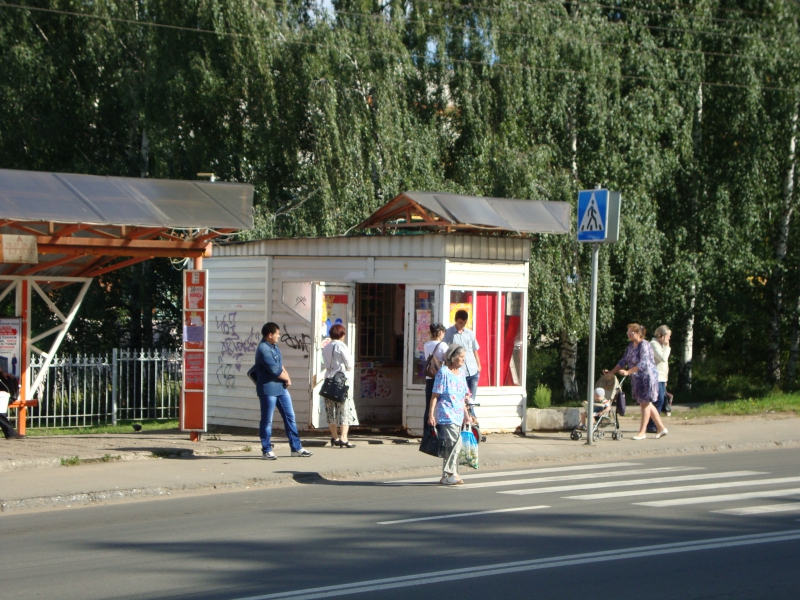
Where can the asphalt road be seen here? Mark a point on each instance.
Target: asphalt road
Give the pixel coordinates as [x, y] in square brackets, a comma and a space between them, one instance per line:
[727, 526]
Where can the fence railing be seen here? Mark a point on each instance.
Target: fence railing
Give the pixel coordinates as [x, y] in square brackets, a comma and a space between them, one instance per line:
[84, 390]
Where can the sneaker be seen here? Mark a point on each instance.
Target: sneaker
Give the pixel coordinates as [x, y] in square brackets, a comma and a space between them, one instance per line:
[302, 453]
[269, 456]
[581, 427]
[669, 414]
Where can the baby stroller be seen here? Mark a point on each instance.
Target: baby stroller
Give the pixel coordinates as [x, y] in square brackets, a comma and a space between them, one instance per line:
[605, 420]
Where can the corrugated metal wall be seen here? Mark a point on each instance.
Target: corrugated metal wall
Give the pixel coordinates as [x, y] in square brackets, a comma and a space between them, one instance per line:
[237, 294]
[471, 247]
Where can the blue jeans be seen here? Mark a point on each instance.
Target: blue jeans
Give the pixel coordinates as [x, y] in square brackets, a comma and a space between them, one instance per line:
[659, 404]
[472, 384]
[284, 405]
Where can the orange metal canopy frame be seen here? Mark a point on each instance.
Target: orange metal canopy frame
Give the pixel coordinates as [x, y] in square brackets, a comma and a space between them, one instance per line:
[85, 226]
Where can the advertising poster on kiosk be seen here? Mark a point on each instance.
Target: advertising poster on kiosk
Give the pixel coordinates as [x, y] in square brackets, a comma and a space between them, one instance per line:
[193, 397]
[10, 345]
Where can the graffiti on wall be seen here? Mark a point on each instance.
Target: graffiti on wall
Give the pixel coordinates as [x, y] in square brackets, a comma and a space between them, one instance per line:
[232, 348]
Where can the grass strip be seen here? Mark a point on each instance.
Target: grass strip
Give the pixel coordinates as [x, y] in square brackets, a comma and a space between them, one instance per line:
[120, 427]
[748, 406]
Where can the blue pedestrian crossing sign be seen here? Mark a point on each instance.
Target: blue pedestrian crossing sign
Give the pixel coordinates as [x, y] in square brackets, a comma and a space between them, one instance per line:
[598, 216]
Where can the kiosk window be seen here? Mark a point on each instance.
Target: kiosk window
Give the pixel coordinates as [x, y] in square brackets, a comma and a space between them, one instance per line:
[424, 310]
[486, 333]
[511, 339]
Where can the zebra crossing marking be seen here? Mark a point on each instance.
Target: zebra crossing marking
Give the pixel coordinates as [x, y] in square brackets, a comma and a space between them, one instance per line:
[589, 467]
[684, 488]
[573, 476]
[760, 510]
[607, 484]
[723, 497]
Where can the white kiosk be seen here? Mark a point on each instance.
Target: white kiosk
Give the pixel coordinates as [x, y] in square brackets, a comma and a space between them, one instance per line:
[387, 290]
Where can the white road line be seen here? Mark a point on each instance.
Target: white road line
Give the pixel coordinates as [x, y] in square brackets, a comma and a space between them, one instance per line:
[685, 488]
[607, 484]
[760, 510]
[457, 515]
[375, 585]
[573, 476]
[724, 497]
[527, 472]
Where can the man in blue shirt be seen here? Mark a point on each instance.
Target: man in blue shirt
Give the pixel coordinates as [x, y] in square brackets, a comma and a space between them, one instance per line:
[272, 386]
[459, 334]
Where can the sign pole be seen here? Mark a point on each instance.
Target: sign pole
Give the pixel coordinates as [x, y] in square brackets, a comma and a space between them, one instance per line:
[592, 329]
[598, 223]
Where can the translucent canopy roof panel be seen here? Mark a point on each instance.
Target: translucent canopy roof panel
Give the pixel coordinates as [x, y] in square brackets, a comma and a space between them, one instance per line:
[124, 201]
[459, 212]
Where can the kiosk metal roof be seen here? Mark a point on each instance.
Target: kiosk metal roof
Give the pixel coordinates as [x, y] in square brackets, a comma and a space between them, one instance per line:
[453, 212]
[83, 224]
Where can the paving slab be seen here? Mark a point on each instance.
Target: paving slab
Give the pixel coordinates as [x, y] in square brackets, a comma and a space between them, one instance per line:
[125, 467]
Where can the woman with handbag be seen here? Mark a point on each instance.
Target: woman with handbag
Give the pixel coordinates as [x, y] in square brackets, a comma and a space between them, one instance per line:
[434, 351]
[341, 415]
[448, 411]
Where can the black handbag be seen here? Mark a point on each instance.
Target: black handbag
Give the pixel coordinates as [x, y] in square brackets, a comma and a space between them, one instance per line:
[251, 373]
[431, 443]
[335, 388]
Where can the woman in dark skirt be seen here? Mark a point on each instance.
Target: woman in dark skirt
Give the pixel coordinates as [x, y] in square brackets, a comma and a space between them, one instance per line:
[639, 363]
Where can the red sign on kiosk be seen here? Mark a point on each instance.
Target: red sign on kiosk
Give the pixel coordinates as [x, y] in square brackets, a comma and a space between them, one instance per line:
[193, 396]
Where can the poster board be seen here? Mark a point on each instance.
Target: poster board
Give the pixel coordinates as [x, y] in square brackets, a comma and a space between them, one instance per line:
[10, 345]
[195, 351]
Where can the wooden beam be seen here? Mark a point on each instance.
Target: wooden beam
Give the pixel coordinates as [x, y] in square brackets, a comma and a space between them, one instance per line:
[114, 267]
[47, 265]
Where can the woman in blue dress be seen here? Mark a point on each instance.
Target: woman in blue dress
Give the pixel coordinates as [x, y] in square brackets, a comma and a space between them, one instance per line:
[639, 362]
[448, 410]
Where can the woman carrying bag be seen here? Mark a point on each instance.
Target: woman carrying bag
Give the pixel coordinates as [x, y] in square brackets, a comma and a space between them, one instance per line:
[341, 415]
[448, 411]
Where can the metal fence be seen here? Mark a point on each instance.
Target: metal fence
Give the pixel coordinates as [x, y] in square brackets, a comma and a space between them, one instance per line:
[85, 390]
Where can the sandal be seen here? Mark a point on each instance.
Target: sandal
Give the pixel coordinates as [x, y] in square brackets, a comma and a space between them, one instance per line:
[452, 480]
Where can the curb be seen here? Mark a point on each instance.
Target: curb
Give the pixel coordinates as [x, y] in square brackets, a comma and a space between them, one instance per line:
[19, 464]
[106, 497]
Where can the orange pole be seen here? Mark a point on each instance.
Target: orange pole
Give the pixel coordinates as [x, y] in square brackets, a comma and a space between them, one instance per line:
[22, 411]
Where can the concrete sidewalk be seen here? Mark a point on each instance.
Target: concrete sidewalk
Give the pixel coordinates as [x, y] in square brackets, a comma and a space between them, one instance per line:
[41, 473]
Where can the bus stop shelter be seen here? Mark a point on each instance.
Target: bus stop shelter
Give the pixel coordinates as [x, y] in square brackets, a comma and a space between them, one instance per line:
[59, 229]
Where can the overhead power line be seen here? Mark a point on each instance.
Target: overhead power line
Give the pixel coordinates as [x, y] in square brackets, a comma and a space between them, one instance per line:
[496, 64]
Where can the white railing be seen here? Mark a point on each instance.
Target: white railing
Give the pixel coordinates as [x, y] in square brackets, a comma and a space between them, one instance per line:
[84, 390]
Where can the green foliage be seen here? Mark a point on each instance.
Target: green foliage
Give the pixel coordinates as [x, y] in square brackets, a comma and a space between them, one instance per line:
[542, 396]
[685, 108]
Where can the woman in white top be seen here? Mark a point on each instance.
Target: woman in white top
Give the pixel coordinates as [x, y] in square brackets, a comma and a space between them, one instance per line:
[661, 350]
[337, 359]
[436, 346]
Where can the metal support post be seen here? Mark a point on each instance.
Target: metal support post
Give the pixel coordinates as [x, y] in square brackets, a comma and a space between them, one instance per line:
[592, 328]
[114, 380]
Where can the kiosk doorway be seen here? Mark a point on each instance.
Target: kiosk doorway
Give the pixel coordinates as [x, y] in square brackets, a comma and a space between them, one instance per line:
[380, 352]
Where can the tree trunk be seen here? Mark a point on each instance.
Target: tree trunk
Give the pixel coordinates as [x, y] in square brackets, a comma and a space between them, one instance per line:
[698, 191]
[776, 280]
[569, 360]
[794, 348]
[685, 373]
